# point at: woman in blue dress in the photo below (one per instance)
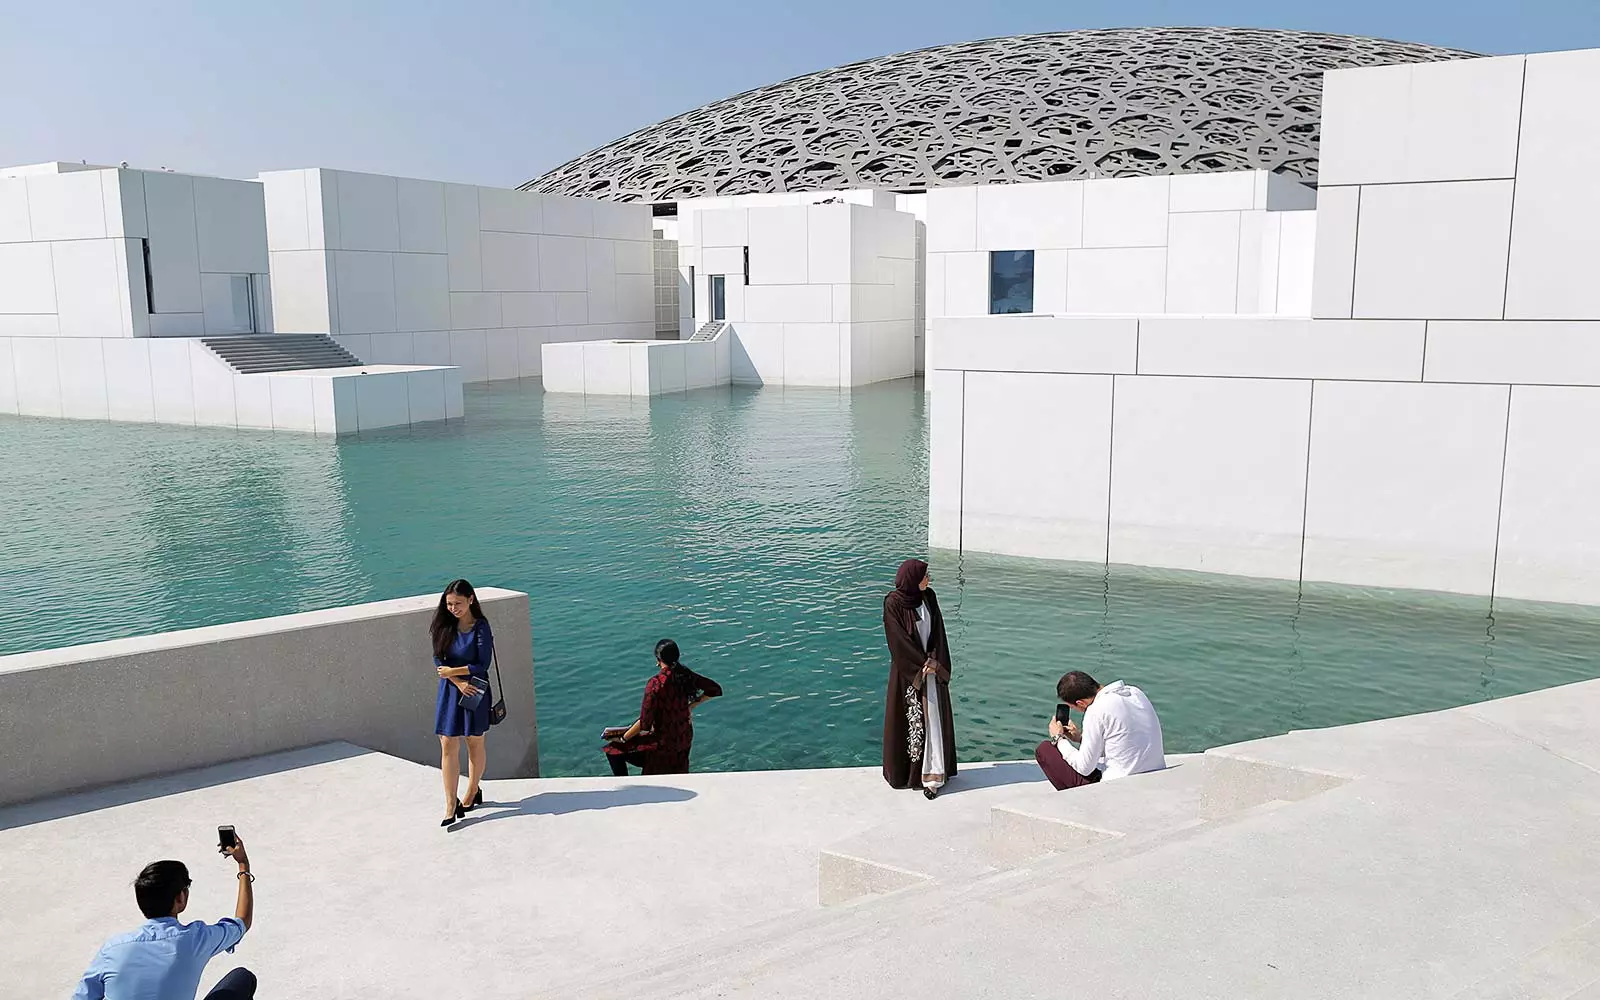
(463, 648)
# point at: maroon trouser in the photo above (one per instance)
(1055, 767)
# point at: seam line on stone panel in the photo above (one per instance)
(961, 484)
(1111, 452)
(1516, 165)
(1355, 250)
(1305, 488)
(1422, 375)
(1500, 507)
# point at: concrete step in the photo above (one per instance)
(258, 354)
(1566, 969)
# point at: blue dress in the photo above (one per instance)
(474, 650)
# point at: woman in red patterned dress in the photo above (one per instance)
(659, 742)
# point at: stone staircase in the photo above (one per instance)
(257, 354)
(709, 330)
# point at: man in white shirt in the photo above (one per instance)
(1121, 734)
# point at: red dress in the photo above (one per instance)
(666, 731)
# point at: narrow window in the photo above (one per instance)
(1010, 281)
(719, 296)
(747, 265)
(149, 280)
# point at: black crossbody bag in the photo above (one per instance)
(497, 711)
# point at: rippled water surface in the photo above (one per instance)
(759, 528)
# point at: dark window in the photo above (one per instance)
(149, 280)
(719, 296)
(747, 265)
(1010, 281)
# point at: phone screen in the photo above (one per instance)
(1064, 714)
(225, 836)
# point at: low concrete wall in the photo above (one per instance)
(82, 716)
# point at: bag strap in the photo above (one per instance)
(494, 655)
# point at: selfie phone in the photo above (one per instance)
(1064, 714)
(226, 837)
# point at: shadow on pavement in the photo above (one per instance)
(561, 803)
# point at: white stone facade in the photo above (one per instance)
(1428, 429)
(404, 271)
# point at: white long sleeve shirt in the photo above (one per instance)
(1120, 726)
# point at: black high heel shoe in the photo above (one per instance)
(477, 800)
(460, 814)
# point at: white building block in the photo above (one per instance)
(8, 378)
(122, 192)
(513, 262)
(252, 396)
(302, 280)
(607, 371)
(621, 221)
(90, 303)
(213, 388)
(811, 354)
(365, 285)
(1203, 262)
(1447, 121)
(369, 214)
(287, 209)
(324, 408)
(1042, 495)
(1542, 353)
(1404, 485)
(725, 260)
(382, 401)
(1334, 268)
(506, 211)
(602, 262)
(779, 246)
(572, 308)
(568, 216)
(1555, 235)
(723, 228)
(30, 324)
(129, 394)
(462, 237)
(1296, 262)
(562, 368)
(636, 298)
(1126, 212)
(784, 303)
(67, 206)
(668, 368)
(425, 396)
(27, 278)
(757, 353)
(230, 226)
(171, 381)
(1433, 251)
(1274, 347)
(503, 351)
(294, 402)
(38, 376)
(178, 325)
(174, 250)
(1234, 191)
(530, 353)
(1117, 281)
(563, 265)
(82, 373)
(1035, 344)
(1050, 281)
(400, 348)
(634, 257)
(227, 305)
(1033, 216)
(946, 392)
(526, 309)
(469, 351)
(420, 206)
(15, 226)
(1549, 541)
(966, 283)
(953, 219)
(1209, 474)
(828, 234)
(421, 291)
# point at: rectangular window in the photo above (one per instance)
(747, 265)
(149, 280)
(1010, 281)
(719, 296)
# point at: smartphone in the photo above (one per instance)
(226, 837)
(1064, 714)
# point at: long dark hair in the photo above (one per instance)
(444, 626)
(667, 653)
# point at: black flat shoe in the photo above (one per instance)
(930, 793)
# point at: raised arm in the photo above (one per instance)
(1086, 757)
(705, 688)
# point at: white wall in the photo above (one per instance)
(831, 296)
(408, 271)
(1194, 243)
(73, 250)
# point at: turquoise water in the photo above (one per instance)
(759, 528)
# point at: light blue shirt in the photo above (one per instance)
(162, 960)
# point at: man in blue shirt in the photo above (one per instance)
(163, 959)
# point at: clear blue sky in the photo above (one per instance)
(498, 92)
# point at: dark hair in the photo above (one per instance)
(443, 627)
(1076, 685)
(667, 653)
(158, 887)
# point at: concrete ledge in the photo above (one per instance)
(132, 708)
(1234, 784)
(842, 878)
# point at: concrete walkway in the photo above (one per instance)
(1450, 855)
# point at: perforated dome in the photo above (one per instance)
(1114, 103)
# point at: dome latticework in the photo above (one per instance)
(1112, 102)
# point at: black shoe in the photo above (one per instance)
(930, 793)
(460, 814)
(477, 800)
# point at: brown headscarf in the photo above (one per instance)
(908, 586)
